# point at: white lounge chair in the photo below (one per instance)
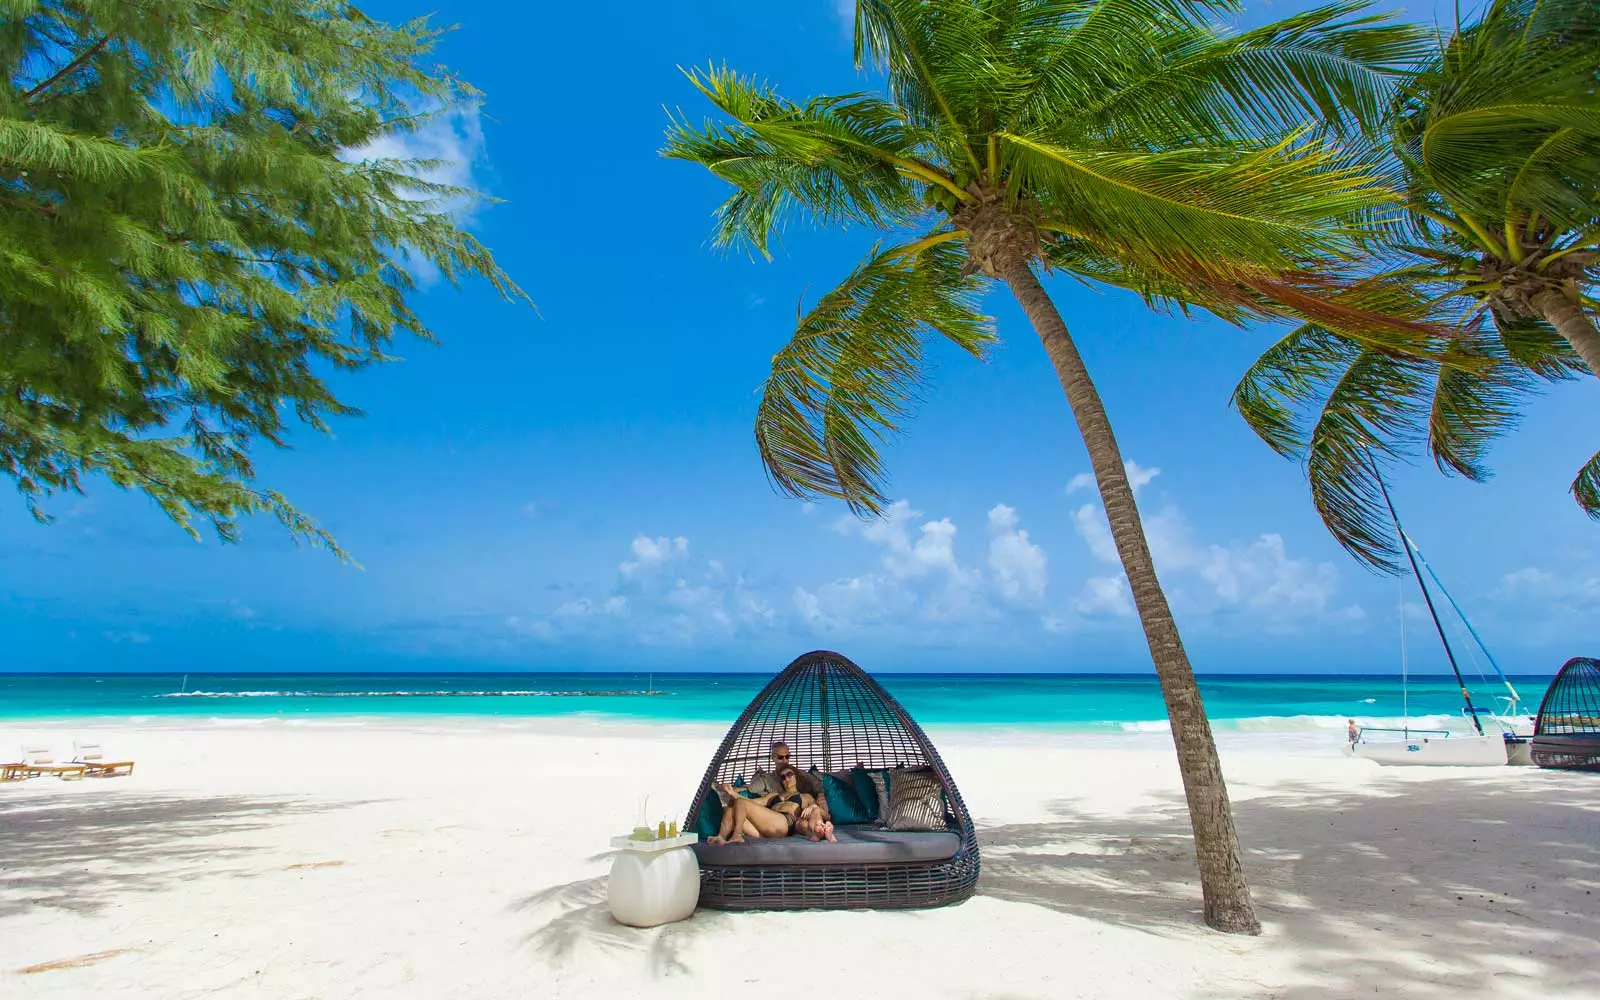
(94, 761)
(40, 760)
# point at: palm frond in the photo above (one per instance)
(1158, 285)
(936, 60)
(854, 366)
(1338, 404)
(1270, 207)
(1325, 65)
(1372, 409)
(838, 159)
(1083, 50)
(1473, 406)
(1274, 393)
(1503, 126)
(1586, 487)
(1535, 344)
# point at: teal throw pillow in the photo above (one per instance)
(709, 821)
(866, 792)
(843, 804)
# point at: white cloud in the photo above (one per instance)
(1105, 595)
(931, 552)
(1091, 525)
(1020, 567)
(911, 583)
(661, 599)
(649, 553)
(614, 606)
(1256, 576)
(1558, 594)
(1138, 477)
(921, 584)
(530, 510)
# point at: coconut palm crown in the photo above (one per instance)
(1126, 142)
(1496, 146)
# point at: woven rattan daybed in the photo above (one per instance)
(840, 725)
(1567, 733)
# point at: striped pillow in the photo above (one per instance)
(916, 801)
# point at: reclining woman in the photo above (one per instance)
(780, 815)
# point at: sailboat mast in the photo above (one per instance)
(1516, 699)
(1449, 653)
(1405, 667)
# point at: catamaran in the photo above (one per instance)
(1440, 747)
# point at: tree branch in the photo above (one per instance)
(69, 68)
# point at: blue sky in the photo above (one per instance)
(578, 488)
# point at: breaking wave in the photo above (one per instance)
(1307, 724)
(404, 694)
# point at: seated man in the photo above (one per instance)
(768, 783)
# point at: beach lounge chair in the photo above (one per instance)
(94, 761)
(40, 760)
(14, 772)
(842, 725)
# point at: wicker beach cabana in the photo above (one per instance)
(1567, 733)
(845, 729)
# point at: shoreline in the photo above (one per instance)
(1265, 725)
(1320, 742)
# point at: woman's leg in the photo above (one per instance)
(754, 820)
(726, 826)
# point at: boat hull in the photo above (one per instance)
(1519, 753)
(1436, 751)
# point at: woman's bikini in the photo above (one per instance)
(792, 817)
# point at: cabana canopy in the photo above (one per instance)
(841, 725)
(1567, 733)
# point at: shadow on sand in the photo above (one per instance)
(1449, 887)
(81, 853)
(575, 922)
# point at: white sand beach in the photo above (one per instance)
(468, 859)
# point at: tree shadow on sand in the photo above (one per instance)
(81, 853)
(574, 922)
(1438, 888)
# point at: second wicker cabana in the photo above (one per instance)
(1567, 733)
(842, 726)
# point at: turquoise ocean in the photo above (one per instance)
(1103, 703)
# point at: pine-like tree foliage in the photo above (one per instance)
(187, 247)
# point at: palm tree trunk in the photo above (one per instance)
(1216, 842)
(1574, 325)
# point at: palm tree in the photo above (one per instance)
(1496, 143)
(1129, 142)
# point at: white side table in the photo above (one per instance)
(653, 881)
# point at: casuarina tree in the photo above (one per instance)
(1127, 142)
(198, 228)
